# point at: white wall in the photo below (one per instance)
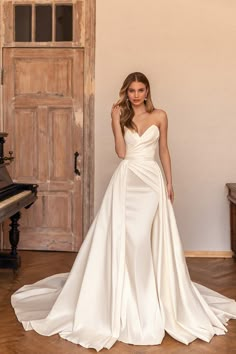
(187, 50)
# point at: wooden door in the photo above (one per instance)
(43, 115)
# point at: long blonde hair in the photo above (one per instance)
(127, 112)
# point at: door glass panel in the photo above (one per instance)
(64, 23)
(23, 20)
(43, 23)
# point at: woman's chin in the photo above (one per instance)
(137, 103)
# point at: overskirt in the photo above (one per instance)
(84, 306)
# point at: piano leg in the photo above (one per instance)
(14, 233)
(12, 259)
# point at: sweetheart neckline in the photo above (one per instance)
(140, 136)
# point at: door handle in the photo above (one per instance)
(76, 170)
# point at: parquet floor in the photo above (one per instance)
(218, 274)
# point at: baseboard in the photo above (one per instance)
(209, 254)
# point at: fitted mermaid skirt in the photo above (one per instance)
(140, 310)
(129, 281)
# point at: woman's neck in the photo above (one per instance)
(139, 110)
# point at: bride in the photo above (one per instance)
(129, 281)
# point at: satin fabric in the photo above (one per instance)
(129, 281)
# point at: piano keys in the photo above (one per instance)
(13, 198)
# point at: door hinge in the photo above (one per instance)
(2, 74)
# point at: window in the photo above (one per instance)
(43, 28)
(23, 20)
(64, 23)
(43, 16)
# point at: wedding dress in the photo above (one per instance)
(129, 281)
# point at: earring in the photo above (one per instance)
(145, 99)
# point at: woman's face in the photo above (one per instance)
(137, 92)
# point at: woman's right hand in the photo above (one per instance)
(115, 113)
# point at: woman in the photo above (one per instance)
(135, 108)
(129, 281)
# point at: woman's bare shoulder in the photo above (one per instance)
(159, 115)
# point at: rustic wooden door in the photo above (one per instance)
(43, 114)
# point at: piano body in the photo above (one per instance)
(13, 197)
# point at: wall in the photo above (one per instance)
(187, 49)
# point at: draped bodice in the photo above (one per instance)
(141, 147)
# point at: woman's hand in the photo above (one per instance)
(115, 113)
(170, 192)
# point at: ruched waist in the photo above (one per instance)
(139, 158)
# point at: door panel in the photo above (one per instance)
(61, 153)
(43, 115)
(25, 165)
(29, 78)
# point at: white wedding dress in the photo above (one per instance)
(129, 281)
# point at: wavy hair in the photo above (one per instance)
(127, 112)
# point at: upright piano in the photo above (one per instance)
(13, 198)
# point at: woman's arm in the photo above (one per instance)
(120, 147)
(164, 153)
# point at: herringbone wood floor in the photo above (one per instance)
(218, 274)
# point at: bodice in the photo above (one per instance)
(141, 147)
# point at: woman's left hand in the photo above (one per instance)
(170, 192)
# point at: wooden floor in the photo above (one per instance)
(218, 274)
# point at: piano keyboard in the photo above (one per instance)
(11, 200)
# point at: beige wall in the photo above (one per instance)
(187, 49)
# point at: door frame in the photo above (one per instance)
(86, 24)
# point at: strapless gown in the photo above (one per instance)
(129, 281)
